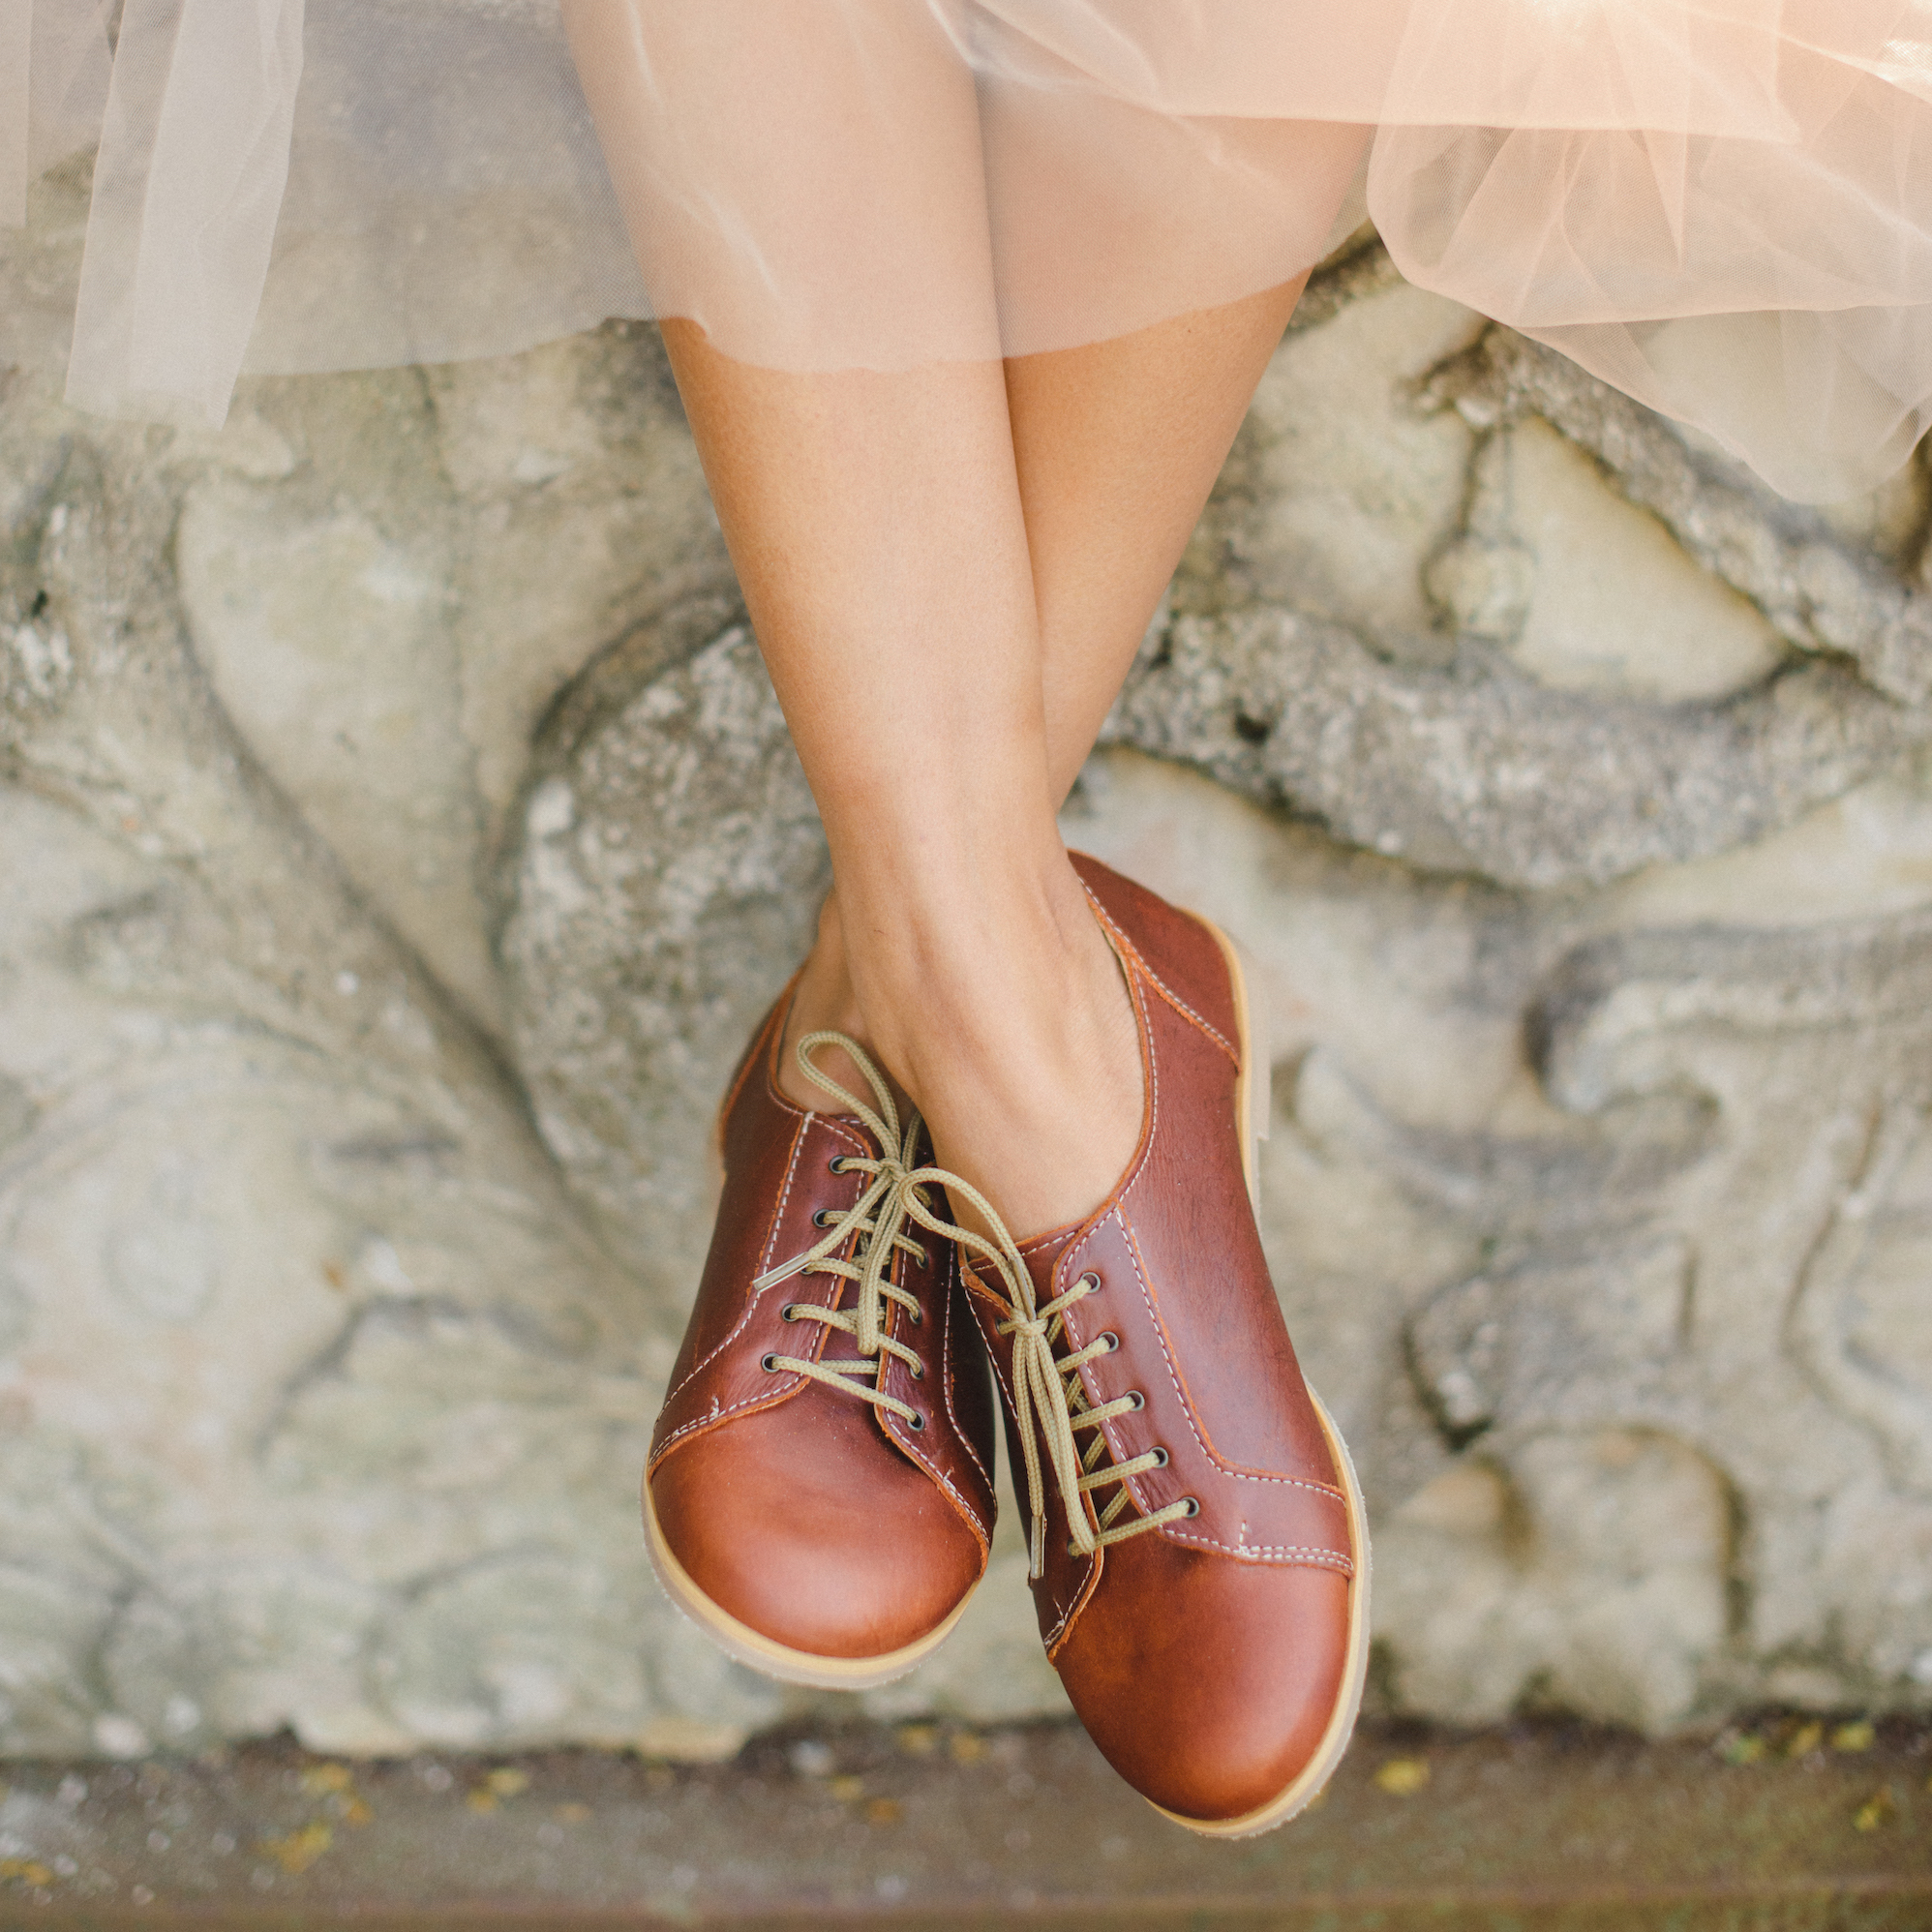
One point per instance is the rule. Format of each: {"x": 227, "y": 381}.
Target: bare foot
{"x": 1012, "y": 1035}
{"x": 826, "y": 1003}
{"x": 1008, "y": 1019}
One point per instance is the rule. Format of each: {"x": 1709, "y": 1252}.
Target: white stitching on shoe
{"x": 1046, "y": 1240}
{"x": 832, "y": 1125}
{"x": 1051, "y": 1637}
{"x": 1146, "y": 1153}
{"x": 1116, "y": 1214}
{"x": 1187, "y": 1011}
{"x": 712, "y": 1415}
{"x": 944, "y": 1482}
{"x": 1298, "y": 1555}
{"x": 744, "y": 1321}
{"x": 927, "y": 1460}
{"x": 1168, "y": 994}
{"x": 945, "y": 1354}
{"x": 1227, "y": 1468}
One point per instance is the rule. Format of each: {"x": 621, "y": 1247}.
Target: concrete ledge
{"x": 1789, "y": 1825}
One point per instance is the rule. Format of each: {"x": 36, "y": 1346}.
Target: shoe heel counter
{"x": 1179, "y": 950}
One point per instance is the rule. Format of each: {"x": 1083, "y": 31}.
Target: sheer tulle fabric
{"x": 1722, "y": 206}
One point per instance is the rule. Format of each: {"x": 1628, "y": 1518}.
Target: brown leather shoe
{"x": 819, "y": 1496}
{"x": 1201, "y": 1555}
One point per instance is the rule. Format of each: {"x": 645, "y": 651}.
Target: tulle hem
{"x": 1723, "y": 207}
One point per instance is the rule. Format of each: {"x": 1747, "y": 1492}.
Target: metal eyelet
{"x": 917, "y": 1420}
{"x": 1159, "y": 1455}
{"x": 1134, "y": 1399}
{"x": 918, "y": 1316}
{"x": 788, "y": 1313}
{"x": 919, "y": 1372}
{"x": 837, "y": 1163}
{"x": 1088, "y": 1281}
{"x": 823, "y": 1217}
{"x": 769, "y": 1364}
{"x": 1193, "y": 1505}
{"x": 1112, "y": 1341}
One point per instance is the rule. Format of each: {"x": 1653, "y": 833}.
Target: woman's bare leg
{"x": 899, "y": 537}
{"x": 950, "y": 572}
{"x": 877, "y": 529}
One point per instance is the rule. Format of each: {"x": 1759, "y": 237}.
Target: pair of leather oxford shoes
{"x": 820, "y": 1494}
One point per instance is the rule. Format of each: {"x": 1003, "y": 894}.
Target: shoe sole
{"x": 752, "y": 1648}
{"x": 1252, "y": 1094}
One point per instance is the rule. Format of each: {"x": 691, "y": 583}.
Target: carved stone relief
{"x": 401, "y": 838}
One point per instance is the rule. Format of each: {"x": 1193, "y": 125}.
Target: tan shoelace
{"x": 1057, "y": 1398}
{"x": 1101, "y": 1474}
{"x": 1049, "y": 1399}
{"x": 879, "y": 1219}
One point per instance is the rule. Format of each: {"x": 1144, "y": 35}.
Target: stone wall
{"x": 401, "y": 836}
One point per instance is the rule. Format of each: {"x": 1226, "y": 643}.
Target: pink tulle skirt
{"x": 1723, "y": 207}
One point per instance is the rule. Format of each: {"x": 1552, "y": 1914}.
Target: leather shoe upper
{"x": 1207, "y": 1651}
{"x": 830, "y": 1524}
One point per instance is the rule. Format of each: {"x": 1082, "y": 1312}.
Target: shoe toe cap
{"x": 1208, "y": 1683}
{"x": 803, "y": 1523}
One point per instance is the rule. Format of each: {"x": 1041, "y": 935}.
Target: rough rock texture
{"x": 305, "y": 1343}
{"x": 1477, "y": 767}
{"x": 401, "y": 838}
{"x": 671, "y": 859}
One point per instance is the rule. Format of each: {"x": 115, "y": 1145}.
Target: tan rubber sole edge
{"x": 1250, "y": 1092}
{"x": 1253, "y": 1083}
{"x": 1334, "y": 1744}
{"x": 759, "y": 1652}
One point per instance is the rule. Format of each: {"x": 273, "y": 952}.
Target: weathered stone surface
{"x": 1593, "y": 1572}
{"x": 1819, "y": 592}
{"x": 1468, "y": 608}
{"x": 389, "y": 589}
{"x": 1592, "y": 572}
{"x": 402, "y": 839}
{"x": 1549, "y": 1181}
{"x": 669, "y": 874}
{"x": 1477, "y": 767}
{"x": 303, "y": 1337}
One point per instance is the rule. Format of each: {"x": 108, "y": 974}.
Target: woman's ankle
{"x": 1013, "y": 1031}
{"x": 997, "y": 1008}
{"x": 824, "y": 1001}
